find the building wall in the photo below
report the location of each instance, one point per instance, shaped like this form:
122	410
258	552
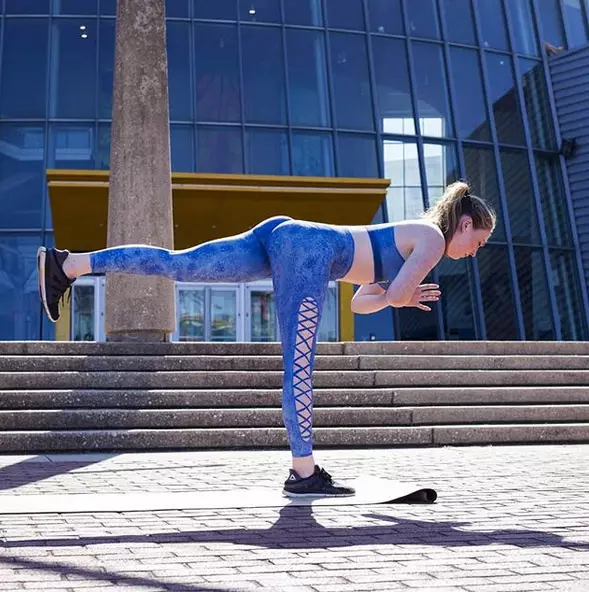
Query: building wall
423	93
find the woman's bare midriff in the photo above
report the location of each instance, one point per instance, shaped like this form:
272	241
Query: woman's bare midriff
362	270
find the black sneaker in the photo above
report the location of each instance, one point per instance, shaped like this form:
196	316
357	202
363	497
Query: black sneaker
319	484
53	283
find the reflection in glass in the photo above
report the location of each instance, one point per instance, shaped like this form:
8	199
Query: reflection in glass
219	150
503	97
19	294
259	11
401	166
349	64
440	169
357	156
303	12
182	148
106	67
471	113
307	78
217	9
216	72
263	325
551	27
345	15
22	175
264	93
520	197
191	314
177	8
386	17
83	313
567	289
312	154
537	103
223	315
393	95
492	24
27	6
481	173
576	23
522	25
75	7
103	156
422	17
328	326
498	303
71	146
267	152
552	196
418	325
430	87
533	290
459	21
24	68
178	48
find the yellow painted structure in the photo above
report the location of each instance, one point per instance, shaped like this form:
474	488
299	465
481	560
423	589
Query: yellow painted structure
209	206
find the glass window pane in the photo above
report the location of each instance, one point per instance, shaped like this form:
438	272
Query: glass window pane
75	7
492	23
106	67
459	20
430	87
386	17
182	148
345	15
357	156
471	113
177	8
73	83
456	300
178	44
83	312
267	152
503	96
440	169
568	295
107	7
264	91
349	65
533	290
418	325
259	11
303	12
575	21
401	165
553	200
551	28
22	172
71	146
191	314
219	9
537	104
312	154
19	295
223	315
27	6
520	198
263	320
481	173
422	16
103	156
393	95
307	78
329	319
219	150
216	73
24	68
496	289
522	25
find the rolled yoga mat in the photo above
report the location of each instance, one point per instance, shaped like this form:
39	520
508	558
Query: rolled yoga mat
369	490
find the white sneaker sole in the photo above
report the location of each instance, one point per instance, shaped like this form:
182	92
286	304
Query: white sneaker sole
41	256
289	494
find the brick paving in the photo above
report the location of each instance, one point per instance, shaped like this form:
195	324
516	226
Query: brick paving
508	518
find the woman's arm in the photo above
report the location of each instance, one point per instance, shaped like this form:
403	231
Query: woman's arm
367	299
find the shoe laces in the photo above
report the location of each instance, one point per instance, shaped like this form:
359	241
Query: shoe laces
325	475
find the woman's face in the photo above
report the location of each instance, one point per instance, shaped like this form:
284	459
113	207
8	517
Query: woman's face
467	240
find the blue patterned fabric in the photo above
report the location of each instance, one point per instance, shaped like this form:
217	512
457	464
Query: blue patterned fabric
387	259
300	257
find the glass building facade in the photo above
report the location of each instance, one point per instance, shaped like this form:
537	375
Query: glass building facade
423	92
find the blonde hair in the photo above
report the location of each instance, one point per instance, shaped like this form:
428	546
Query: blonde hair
457	201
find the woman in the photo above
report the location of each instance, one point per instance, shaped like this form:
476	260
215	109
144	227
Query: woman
388	261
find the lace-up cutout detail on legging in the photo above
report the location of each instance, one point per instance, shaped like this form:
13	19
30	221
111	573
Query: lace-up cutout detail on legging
302	379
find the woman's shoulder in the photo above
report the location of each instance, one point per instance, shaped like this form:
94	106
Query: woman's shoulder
420	231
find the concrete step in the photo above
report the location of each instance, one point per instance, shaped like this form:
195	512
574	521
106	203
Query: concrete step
346	397
274	349
124	363
229	438
87	419
268	379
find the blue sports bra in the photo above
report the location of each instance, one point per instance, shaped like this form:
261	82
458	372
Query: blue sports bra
387	259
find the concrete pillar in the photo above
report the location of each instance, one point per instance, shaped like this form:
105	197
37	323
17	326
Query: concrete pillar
140	308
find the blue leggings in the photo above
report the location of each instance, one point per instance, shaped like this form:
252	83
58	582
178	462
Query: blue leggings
300	257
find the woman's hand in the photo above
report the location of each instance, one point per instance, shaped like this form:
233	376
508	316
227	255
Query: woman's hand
424	293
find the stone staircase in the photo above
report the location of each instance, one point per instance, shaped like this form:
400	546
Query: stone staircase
116	396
